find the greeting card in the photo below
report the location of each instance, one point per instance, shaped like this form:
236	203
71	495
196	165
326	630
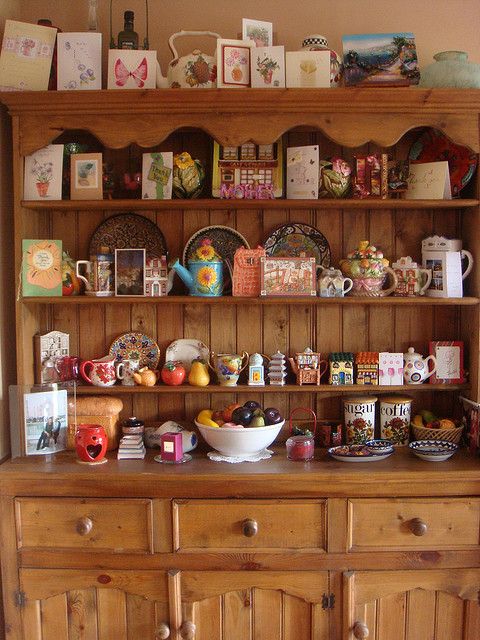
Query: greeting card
157	173
267	67
258	31
41	268
429	181
79	60
26	56
302	172
43	174
131	69
307	68
449	358
233	63
390	368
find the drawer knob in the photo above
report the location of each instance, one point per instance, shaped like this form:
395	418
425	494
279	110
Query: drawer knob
418	527
249	528
360	630
162	632
84	526
187	630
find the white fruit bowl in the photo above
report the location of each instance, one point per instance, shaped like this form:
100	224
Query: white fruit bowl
240	442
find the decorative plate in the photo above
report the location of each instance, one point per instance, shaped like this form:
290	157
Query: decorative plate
136	346
297	239
379	445
129	231
185	350
358	453
224	240
434	146
433	450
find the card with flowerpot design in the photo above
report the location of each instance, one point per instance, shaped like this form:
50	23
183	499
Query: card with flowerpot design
43	174
258	31
267	67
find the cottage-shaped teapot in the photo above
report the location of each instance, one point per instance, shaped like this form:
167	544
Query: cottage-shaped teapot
196	69
416	369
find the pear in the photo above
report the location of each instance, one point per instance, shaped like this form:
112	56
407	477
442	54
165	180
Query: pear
257	421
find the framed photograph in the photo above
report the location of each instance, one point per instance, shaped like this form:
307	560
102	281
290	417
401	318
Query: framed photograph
307	69
267	67
129	272
233	63
43	174
449	357
380	59
259	32
45	422
287	276
86	181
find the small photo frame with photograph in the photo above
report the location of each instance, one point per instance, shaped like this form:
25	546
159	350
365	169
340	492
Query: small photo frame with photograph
258	31
449	357
129	272
287	276
86	181
233	63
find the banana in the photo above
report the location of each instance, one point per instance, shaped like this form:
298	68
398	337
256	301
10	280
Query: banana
205	417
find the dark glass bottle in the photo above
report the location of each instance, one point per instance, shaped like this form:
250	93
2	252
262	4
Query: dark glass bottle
128	38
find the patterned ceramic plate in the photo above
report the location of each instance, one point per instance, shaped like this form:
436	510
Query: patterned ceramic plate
434	146
358	453
297	239
433	450
136	346
129	231
185	350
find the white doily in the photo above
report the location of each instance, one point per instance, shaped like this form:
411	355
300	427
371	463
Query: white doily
261	455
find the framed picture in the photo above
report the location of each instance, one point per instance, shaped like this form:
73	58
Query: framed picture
45	422
449	357
86	181
129	272
267	67
287	276
233	63
259	32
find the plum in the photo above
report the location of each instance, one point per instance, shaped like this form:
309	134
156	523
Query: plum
242	415
252	404
272	415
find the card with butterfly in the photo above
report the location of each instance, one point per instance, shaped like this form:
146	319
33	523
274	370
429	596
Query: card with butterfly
131	69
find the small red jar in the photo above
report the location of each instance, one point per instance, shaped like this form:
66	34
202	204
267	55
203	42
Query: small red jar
91	443
302	447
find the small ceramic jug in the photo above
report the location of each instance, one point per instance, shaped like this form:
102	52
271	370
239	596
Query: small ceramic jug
101	372
415	370
332	284
125	370
228	367
412	279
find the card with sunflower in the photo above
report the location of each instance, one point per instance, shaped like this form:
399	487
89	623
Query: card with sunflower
42	268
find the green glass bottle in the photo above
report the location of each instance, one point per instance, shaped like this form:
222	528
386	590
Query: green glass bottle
128	38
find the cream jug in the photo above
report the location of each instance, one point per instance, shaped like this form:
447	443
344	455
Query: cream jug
444	257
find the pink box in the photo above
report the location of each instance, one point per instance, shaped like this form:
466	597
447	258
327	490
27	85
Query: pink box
171	447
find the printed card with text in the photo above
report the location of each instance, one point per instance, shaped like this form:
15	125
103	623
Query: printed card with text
429	181
157	174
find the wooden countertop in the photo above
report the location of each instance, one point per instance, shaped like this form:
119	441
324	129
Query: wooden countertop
402	474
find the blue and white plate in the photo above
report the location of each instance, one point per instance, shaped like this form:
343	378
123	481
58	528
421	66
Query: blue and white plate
380	445
358	453
433	450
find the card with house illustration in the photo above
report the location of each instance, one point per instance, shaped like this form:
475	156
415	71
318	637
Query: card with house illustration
43	174
267	67
302	172
26	56
79	61
157	174
41	268
307	68
131	69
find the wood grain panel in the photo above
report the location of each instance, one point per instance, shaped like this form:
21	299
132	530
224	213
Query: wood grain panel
267	614
31	621
237	614
450	617
296	619
420	614
111	618
54	617
208	619
82	615
391	617
140	617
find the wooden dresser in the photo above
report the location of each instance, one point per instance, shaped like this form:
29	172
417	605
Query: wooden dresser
273	550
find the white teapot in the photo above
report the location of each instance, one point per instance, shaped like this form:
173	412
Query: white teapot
416	369
196	69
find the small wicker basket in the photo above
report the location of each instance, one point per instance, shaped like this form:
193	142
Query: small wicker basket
426	433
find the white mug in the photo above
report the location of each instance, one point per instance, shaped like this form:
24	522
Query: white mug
125	370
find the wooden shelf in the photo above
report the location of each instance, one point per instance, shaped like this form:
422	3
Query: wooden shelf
288	388
389	301
217	203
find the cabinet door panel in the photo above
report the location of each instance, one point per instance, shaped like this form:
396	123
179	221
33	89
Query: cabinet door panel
238	614
82	614
450	617
112	623
422	603
55	617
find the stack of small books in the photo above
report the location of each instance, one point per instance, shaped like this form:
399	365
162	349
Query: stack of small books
131	447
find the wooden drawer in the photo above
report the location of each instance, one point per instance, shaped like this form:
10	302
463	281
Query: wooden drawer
89	524
447	523
249	524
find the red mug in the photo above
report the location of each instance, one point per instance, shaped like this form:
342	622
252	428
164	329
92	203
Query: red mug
91	443
67	368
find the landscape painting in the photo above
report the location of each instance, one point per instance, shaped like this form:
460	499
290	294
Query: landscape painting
380	59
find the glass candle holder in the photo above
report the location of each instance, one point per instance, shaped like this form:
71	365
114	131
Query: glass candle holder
300	447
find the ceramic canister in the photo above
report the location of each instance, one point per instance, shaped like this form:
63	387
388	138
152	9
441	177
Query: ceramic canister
395	412
359	415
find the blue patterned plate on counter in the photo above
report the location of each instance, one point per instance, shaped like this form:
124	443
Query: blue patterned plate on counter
358	453
136	346
433	450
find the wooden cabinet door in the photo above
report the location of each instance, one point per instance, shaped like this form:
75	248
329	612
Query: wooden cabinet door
412	605
90	605
253	605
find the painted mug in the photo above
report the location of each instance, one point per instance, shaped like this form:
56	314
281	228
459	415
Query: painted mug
91	443
125	370
101	372
228	367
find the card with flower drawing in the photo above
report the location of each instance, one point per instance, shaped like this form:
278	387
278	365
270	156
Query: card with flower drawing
258	31
267	67
79	61
233	63
43	174
41	268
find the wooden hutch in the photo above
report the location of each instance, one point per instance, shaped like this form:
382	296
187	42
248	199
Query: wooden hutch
322	550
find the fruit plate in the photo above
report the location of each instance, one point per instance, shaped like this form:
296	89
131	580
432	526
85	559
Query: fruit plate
185	350
136	346
433	450
231	441
358	453
297	239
